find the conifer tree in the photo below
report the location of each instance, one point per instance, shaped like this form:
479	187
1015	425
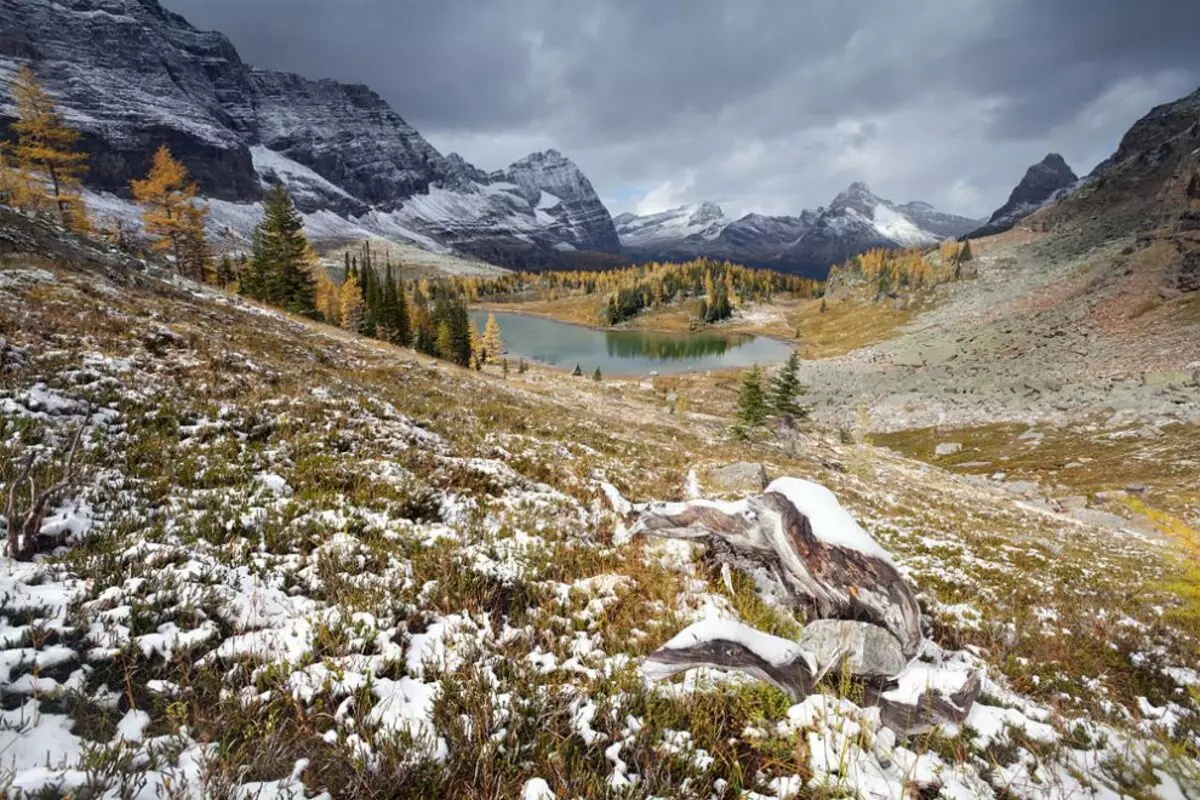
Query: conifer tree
785	388
596	376
577	372
46	146
477	356
281	274
225	271
350	305
175	224
521	366
504	367
493	344
445	341
751	409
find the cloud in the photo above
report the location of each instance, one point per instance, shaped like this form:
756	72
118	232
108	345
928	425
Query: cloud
765	106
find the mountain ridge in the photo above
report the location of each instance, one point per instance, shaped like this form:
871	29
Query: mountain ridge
855	220
131	75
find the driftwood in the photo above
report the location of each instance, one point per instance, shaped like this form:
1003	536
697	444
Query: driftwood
23	538
822	564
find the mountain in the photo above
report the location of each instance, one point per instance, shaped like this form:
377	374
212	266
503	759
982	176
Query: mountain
1045	181
131	75
855	221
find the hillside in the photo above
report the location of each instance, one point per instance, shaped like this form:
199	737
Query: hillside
300	562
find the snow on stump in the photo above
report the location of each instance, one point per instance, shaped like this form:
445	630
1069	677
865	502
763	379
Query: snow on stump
800	546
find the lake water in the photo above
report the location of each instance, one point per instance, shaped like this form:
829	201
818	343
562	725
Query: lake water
627	352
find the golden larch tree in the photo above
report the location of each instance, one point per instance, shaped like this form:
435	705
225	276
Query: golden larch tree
45	146
493	345
169	213
352	303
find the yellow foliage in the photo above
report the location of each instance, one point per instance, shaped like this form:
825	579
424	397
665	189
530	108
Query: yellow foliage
351	304
1186	582
327	297
493	345
45	147
171	217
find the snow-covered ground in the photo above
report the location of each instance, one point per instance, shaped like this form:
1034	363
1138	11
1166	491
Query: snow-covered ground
301	564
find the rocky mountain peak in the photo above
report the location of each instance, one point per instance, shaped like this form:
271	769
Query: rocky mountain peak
1041	183
707	213
856	196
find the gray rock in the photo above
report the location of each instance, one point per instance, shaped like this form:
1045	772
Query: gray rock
1026	489
742	477
871	650
1072	502
1103	519
947	449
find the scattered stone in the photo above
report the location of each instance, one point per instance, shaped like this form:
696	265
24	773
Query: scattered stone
870	649
1094	516
947	449
1072	502
742	477
1028	489
1136	488
1031	436
974	464
1113	494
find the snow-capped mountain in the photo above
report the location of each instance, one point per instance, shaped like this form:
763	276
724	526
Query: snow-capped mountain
855	221
1043	183
131	76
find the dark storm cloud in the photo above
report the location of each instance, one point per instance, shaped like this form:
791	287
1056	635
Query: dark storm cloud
760	105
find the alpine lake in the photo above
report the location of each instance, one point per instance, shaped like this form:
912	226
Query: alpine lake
621	352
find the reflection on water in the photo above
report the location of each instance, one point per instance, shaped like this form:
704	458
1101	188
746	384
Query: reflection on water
625	352
665	346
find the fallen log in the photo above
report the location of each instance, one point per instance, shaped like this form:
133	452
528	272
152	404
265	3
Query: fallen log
798	541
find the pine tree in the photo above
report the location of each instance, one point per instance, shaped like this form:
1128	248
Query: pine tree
504	367
225	272
170	217
280	272
445	341
964	255
350	305
785	388
493	345
477	355
577	372
751	410
596	376
46	145
521	366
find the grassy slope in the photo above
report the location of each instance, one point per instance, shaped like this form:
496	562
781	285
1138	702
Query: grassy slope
499	521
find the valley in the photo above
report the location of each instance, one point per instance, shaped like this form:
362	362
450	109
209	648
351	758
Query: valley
334	466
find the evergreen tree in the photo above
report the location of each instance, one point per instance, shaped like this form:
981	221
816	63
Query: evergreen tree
964	254
493	345
225	272
46	146
577	372
521	366
504	366
751	410
596	376
785	388
280	270
328	298
169	214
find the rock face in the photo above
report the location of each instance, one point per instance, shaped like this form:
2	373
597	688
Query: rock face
132	76
855	221
1043	182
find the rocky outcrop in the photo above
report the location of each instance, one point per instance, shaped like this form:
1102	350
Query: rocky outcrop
132	76
1042	183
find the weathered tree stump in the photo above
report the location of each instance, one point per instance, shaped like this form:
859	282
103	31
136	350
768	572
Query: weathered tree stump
797	540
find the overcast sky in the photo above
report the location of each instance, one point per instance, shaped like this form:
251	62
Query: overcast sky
759	106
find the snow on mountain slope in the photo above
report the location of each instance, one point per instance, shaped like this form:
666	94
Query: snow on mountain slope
705	221
132	76
855	221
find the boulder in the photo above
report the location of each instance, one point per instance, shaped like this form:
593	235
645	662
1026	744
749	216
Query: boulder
742	477
869	649
1103	519
947	449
